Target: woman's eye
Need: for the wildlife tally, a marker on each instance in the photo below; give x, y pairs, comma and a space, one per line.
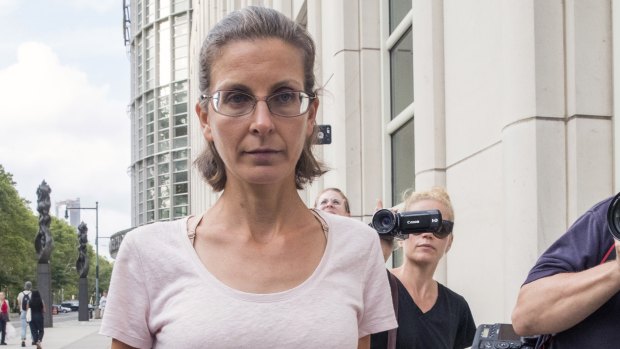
285, 97
237, 98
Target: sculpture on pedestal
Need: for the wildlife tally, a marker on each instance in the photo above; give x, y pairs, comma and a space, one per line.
81, 265
44, 243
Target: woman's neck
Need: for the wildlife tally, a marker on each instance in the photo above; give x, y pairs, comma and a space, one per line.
416, 278
261, 211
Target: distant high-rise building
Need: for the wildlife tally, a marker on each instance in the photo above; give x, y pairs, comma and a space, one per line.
157, 37
73, 215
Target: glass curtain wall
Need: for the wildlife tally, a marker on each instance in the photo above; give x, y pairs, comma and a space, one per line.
159, 50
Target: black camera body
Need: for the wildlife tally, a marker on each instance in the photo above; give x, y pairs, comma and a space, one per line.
613, 217
386, 222
501, 336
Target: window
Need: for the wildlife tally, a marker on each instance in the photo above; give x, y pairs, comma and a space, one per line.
398, 11
150, 123
181, 48
149, 11
149, 59
401, 74
164, 8
402, 161
164, 53
399, 121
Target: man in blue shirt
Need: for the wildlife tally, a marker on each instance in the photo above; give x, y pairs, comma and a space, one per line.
572, 293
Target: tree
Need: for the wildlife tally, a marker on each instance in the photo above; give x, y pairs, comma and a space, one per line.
18, 259
18, 226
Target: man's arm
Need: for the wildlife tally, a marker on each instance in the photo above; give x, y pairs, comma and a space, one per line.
556, 303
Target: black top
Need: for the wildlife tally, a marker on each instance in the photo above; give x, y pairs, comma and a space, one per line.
448, 324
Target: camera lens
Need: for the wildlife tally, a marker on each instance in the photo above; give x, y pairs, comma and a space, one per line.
384, 221
613, 217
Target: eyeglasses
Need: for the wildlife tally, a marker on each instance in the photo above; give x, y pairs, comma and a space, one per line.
237, 103
442, 232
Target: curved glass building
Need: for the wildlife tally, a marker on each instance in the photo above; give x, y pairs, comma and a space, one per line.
157, 38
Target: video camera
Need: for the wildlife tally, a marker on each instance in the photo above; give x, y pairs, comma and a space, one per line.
613, 217
386, 222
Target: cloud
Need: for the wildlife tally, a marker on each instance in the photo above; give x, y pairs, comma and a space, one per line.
7, 7
58, 126
99, 6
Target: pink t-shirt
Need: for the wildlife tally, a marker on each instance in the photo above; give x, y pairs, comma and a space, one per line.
162, 296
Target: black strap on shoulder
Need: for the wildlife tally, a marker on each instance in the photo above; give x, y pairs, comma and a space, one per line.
391, 344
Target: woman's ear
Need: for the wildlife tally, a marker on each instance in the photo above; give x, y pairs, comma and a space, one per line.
203, 117
449, 245
312, 111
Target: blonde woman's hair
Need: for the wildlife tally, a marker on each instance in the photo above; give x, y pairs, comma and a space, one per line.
438, 194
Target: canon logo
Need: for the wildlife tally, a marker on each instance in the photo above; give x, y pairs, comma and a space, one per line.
413, 222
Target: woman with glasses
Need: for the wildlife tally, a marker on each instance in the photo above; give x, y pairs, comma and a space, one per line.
429, 314
258, 269
334, 201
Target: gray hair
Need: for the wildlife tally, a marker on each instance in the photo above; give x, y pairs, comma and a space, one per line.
252, 23
28, 285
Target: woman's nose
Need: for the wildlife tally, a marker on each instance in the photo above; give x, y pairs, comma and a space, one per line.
262, 122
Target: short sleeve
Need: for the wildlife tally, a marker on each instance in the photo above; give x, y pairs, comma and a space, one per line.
378, 314
127, 304
582, 247
467, 328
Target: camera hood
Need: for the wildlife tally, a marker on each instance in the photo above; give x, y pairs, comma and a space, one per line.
613, 217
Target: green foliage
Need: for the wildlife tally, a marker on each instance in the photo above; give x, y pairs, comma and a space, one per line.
18, 227
18, 259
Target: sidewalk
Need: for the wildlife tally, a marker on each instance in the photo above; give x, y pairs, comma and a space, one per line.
70, 334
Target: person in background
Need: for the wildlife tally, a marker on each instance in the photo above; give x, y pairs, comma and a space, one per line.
573, 290
21, 303
387, 339
334, 201
37, 308
258, 262
4, 317
429, 314
102, 301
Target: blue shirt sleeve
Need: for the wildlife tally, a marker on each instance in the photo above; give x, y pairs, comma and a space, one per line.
583, 246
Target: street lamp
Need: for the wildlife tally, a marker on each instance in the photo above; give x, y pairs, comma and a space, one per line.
96, 208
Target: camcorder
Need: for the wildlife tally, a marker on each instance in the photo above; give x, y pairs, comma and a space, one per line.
613, 217
386, 222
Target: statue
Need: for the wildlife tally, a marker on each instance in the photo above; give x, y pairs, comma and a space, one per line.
44, 243
81, 264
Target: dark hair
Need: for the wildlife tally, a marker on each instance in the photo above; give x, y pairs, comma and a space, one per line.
36, 302
252, 23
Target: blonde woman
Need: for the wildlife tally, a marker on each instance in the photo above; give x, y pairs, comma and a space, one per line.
429, 315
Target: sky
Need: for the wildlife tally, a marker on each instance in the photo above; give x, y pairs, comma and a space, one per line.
64, 91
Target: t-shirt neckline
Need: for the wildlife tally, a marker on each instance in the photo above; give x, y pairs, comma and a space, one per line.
300, 289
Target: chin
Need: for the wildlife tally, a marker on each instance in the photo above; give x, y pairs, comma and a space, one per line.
266, 175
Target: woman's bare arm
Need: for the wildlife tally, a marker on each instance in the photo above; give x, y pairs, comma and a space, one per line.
364, 342
116, 344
